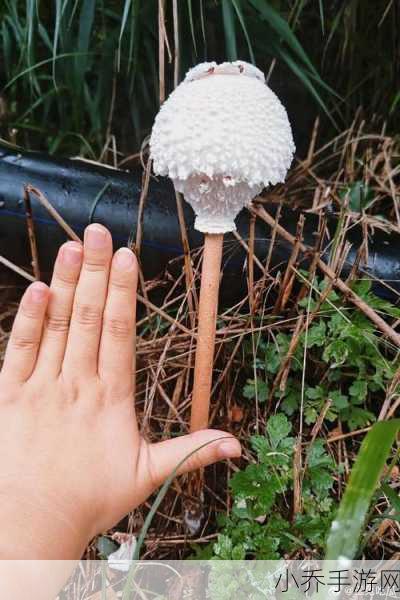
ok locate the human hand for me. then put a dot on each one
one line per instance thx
(72, 460)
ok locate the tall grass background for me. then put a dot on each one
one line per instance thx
(76, 75)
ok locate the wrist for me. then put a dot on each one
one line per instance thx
(34, 529)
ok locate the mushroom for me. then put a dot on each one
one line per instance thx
(221, 136)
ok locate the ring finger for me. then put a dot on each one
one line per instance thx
(63, 286)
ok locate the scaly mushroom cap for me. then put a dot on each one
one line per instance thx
(222, 136)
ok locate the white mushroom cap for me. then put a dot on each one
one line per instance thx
(222, 136)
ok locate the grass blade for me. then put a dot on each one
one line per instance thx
(321, 14)
(346, 530)
(228, 17)
(394, 104)
(55, 39)
(305, 79)
(127, 7)
(41, 64)
(86, 20)
(296, 12)
(203, 28)
(282, 28)
(244, 28)
(30, 24)
(161, 494)
(190, 13)
(7, 48)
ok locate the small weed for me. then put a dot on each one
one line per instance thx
(347, 364)
(347, 369)
(261, 524)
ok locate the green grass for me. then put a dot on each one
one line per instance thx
(346, 531)
(75, 71)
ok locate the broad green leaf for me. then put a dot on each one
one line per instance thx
(346, 530)
(278, 427)
(358, 390)
(256, 389)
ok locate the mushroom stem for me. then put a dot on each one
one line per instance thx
(207, 318)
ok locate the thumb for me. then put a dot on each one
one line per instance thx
(191, 452)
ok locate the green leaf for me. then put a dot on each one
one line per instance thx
(392, 495)
(125, 14)
(229, 19)
(278, 428)
(86, 21)
(291, 400)
(317, 335)
(256, 484)
(339, 400)
(358, 195)
(357, 417)
(315, 393)
(244, 28)
(346, 530)
(256, 389)
(358, 390)
(272, 359)
(336, 353)
(362, 287)
(305, 78)
(58, 8)
(283, 29)
(41, 64)
(395, 102)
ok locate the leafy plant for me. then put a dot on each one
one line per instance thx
(346, 363)
(261, 524)
(339, 370)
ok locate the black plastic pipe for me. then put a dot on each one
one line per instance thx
(84, 193)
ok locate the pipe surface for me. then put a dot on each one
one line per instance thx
(83, 193)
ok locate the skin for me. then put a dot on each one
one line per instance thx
(72, 460)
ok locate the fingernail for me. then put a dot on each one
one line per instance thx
(38, 292)
(230, 449)
(71, 255)
(124, 259)
(95, 237)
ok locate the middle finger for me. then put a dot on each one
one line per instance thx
(84, 335)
